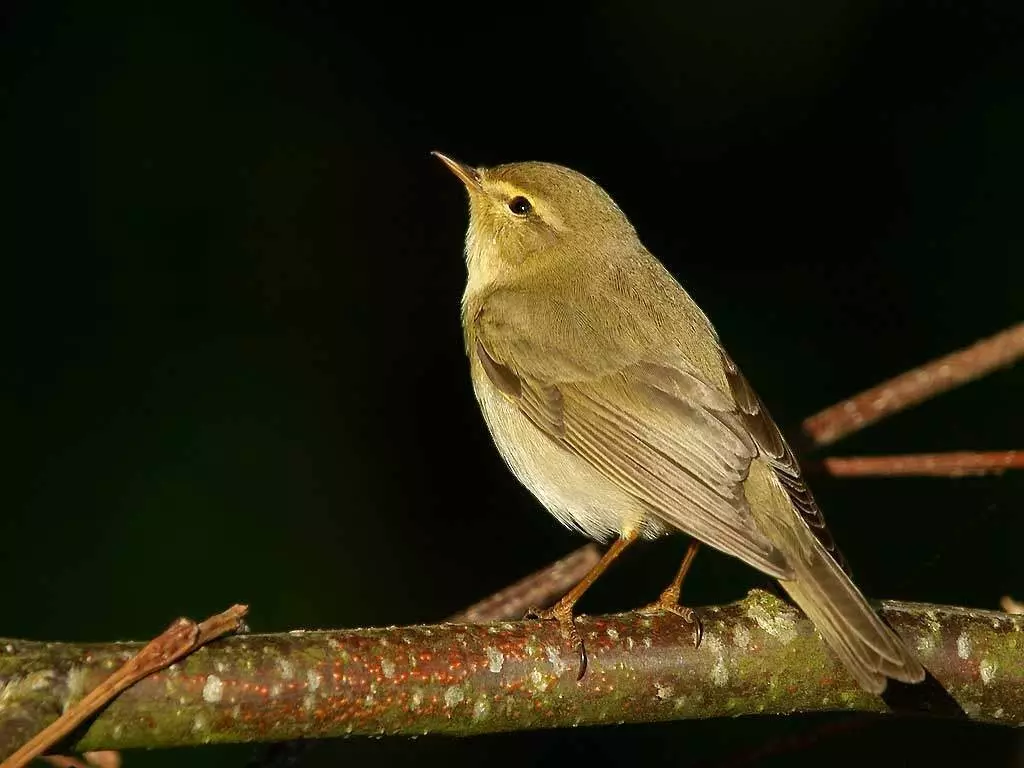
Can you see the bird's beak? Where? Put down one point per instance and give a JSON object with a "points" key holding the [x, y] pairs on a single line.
{"points": [[469, 176]]}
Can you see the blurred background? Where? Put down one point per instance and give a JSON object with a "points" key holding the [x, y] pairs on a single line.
{"points": [[233, 368]]}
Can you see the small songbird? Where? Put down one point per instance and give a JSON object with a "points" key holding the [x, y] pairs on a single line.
{"points": [[608, 394]]}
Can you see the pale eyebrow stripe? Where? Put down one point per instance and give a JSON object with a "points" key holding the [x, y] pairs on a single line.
{"points": [[511, 190]]}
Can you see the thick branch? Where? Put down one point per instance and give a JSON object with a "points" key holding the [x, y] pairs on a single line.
{"points": [[759, 655]]}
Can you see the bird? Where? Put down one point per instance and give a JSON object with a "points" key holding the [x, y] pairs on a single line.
{"points": [[610, 396]]}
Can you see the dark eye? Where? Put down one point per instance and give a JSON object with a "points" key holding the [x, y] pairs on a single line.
{"points": [[520, 206]]}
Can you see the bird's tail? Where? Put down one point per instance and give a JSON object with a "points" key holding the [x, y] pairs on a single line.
{"points": [[869, 649]]}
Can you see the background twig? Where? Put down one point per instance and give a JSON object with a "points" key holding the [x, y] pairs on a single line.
{"points": [[953, 464], [537, 589], [915, 386]]}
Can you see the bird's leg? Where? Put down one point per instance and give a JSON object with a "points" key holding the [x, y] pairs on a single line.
{"points": [[669, 599], [562, 611]]}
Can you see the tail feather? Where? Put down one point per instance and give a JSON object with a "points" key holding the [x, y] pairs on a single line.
{"points": [[869, 649]]}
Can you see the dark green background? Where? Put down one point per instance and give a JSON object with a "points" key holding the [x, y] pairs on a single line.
{"points": [[232, 364]]}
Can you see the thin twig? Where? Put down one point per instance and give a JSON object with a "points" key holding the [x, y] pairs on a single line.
{"points": [[916, 386], [105, 759], [954, 464], [536, 590], [182, 637]]}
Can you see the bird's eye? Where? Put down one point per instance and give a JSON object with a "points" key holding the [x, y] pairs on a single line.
{"points": [[520, 206]]}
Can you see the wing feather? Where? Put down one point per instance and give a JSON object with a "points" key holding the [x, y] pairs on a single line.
{"points": [[660, 433]]}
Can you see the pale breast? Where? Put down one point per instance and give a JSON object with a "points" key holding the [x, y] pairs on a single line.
{"points": [[568, 487]]}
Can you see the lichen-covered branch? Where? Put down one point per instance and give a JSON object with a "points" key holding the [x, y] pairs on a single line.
{"points": [[759, 655]]}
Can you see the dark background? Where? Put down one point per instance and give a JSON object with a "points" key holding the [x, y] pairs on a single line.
{"points": [[232, 364]]}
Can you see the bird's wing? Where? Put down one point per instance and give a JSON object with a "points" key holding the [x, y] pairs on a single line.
{"points": [[659, 431], [774, 449]]}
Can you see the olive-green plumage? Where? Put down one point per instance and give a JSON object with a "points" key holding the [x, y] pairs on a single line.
{"points": [[608, 394]]}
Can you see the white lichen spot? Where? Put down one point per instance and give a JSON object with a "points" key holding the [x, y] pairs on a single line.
{"points": [[555, 658], [309, 701], [108, 664], [9, 648], [275, 690], [387, 668], [612, 633], [417, 699], [664, 691], [76, 684], [931, 618], [998, 714], [213, 690], [647, 642], [495, 659], [183, 700], [780, 625], [453, 696], [117, 731], [286, 669], [741, 636], [370, 700], [198, 723], [925, 644], [679, 702], [236, 711], [630, 643], [540, 683], [221, 667], [719, 672], [963, 646], [313, 679], [481, 708], [987, 670]]}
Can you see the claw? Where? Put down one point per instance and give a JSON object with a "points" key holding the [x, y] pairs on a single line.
{"points": [[566, 622], [666, 603]]}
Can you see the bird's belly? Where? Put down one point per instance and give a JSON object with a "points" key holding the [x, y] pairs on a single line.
{"points": [[569, 488]]}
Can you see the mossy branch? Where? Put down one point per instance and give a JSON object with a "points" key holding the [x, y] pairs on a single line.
{"points": [[759, 655]]}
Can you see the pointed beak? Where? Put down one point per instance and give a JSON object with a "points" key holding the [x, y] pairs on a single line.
{"points": [[469, 176]]}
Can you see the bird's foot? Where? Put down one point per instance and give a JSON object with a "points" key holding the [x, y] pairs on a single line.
{"points": [[668, 602], [562, 613]]}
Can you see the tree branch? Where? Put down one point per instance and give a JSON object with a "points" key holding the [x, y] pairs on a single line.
{"points": [[759, 655], [916, 386], [952, 464]]}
